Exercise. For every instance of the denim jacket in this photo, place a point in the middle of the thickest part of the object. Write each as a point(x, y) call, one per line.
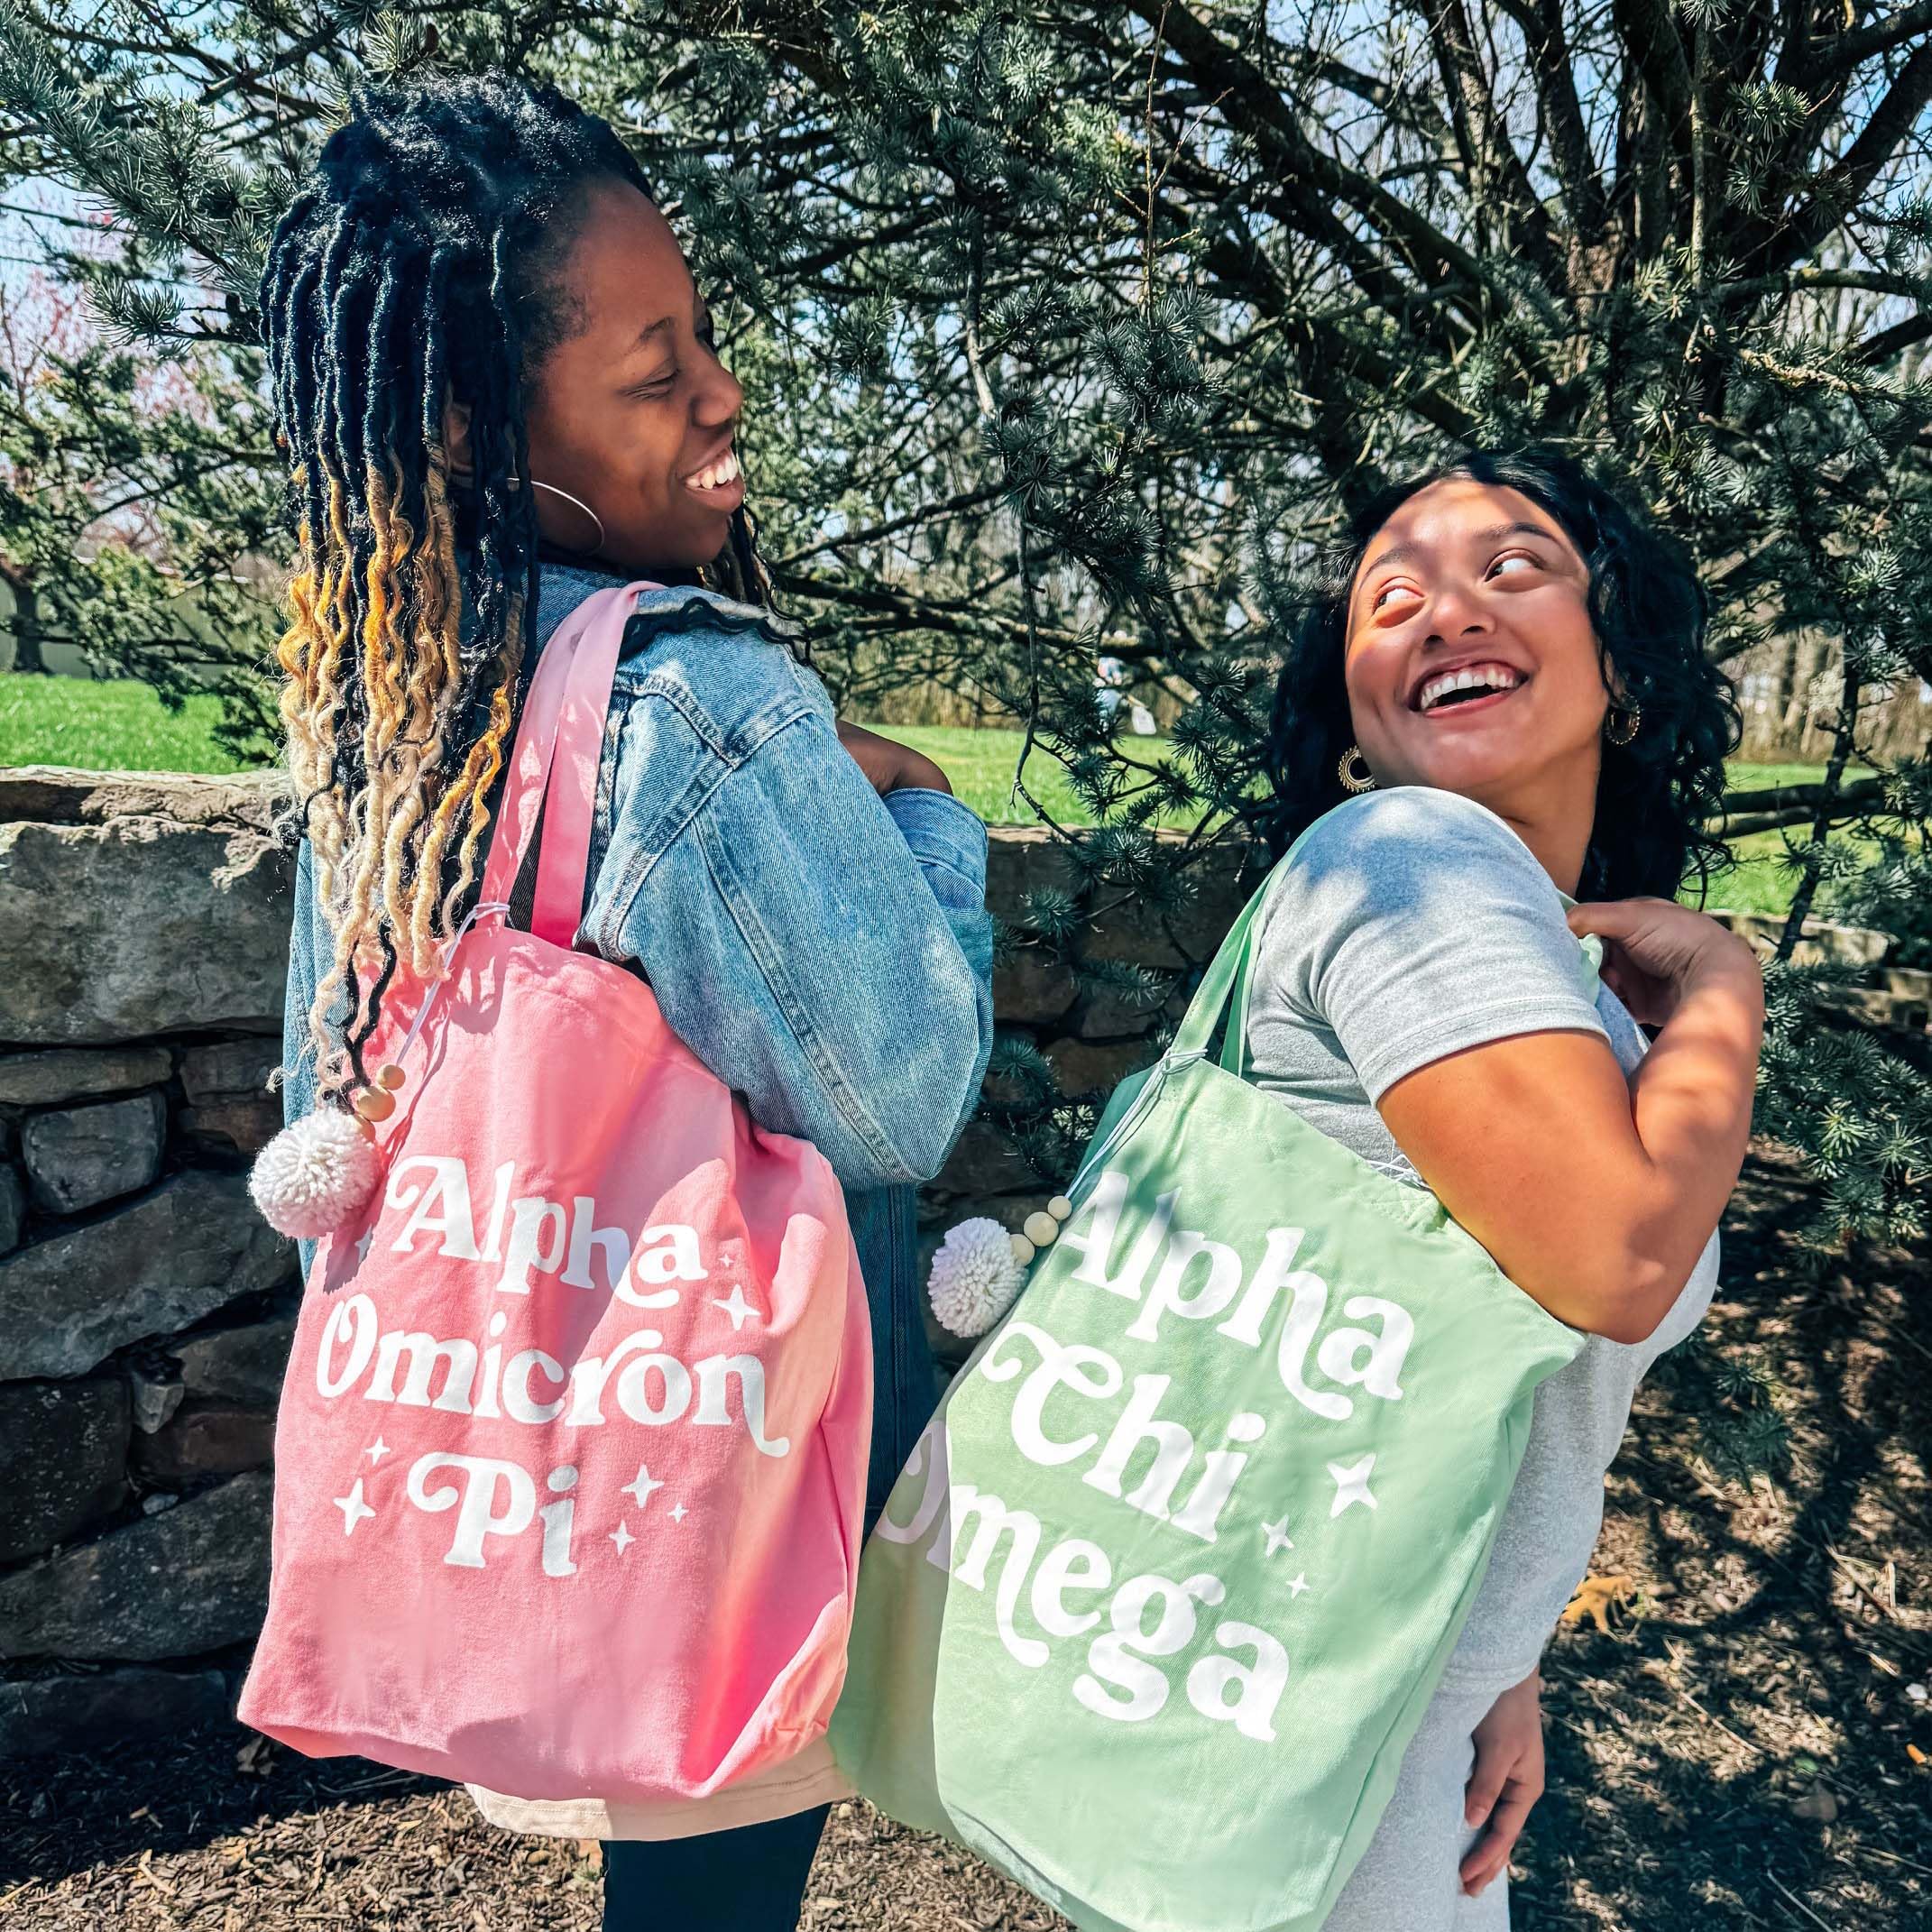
point(824, 951)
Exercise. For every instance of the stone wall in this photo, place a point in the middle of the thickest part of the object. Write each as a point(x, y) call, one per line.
point(145, 1312)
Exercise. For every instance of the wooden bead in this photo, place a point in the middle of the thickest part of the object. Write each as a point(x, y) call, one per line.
point(1023, 1249)
point(390, 1076)
point(1040, 1229)
point(1060, 1208)
point(375, 1105)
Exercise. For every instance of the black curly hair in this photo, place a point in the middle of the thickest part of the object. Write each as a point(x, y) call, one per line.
point(1648, 610)
point(420, 261)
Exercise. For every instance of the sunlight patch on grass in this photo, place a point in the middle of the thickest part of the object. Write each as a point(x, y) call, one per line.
point(108, 725)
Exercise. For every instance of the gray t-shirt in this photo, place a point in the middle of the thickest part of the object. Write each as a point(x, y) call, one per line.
point(1410, 925)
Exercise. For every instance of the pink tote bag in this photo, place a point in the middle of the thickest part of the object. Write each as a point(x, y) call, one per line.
point(570, 1460)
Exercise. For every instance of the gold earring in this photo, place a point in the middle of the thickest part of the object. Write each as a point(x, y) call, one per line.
point(1621, 727)
point(1351, 780)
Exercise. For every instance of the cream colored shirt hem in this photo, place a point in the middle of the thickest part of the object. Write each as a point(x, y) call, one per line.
point(798, 1785)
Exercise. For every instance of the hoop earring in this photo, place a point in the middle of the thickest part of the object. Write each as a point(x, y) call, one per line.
point(1351, 780)
point(1621, 727)
point(578, 502)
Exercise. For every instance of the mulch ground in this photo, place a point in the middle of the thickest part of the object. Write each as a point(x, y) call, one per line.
point(1735, 1750)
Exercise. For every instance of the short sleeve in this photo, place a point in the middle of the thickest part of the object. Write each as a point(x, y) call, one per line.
point(1414, 923)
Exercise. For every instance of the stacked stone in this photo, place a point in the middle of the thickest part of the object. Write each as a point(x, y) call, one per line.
point(145, 1311)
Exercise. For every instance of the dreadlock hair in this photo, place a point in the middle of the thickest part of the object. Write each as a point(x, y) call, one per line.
point(1647, 612)
point(418, 262)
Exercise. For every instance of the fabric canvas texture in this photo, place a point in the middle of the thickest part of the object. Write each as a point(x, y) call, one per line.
point(858, 1018)
point(1166, 1588)
point(571, 1456)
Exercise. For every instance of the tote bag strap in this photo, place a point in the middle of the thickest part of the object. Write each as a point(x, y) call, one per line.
point(1230, 975)
point(554, 767)
point(528, 773)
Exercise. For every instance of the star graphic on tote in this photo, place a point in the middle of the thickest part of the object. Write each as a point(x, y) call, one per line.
point(1277, 1536)
point(353, 1509)
point(623, 1537)
point(1296, 1585)
point(737, 1308)
point(679, 1514)
point(377, 1450)
point(1352, 1484)
point(642, 1485)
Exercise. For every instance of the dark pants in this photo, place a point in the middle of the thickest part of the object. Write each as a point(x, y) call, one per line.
point(749, 1879)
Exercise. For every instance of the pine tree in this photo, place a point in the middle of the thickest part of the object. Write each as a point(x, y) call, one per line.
point(135, 518)
point(1073, 330)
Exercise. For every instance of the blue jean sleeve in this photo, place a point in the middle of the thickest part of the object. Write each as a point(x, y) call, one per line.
point(826, 953)
point(949, 842)
point(297, 1062)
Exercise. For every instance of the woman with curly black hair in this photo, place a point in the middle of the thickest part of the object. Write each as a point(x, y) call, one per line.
point(1498, 706)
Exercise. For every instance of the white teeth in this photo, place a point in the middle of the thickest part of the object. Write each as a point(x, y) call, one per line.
point(718, 474)
point(1475, 676)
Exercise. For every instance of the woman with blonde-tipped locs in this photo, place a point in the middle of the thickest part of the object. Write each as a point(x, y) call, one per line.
point(498, 390)
point(400, 707)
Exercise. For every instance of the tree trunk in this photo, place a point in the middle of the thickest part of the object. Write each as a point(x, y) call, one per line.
point(27, 658)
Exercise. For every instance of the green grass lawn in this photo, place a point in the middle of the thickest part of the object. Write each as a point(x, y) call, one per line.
point(105, 726)
point(122, 726)
point(980, 766)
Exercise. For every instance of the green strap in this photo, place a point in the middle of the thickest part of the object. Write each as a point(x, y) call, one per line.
point(1234, 1043)
point(1231, 972)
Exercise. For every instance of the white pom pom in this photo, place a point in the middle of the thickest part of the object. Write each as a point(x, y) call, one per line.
point(974, 1276)
point(316, 1177)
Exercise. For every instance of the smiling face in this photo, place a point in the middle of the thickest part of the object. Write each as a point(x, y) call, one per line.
point(631, 410)
point(1471, 664)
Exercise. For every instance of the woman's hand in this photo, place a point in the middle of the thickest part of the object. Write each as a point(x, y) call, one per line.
point(889, 766)
point(1505, 1780)
point(1655, 951)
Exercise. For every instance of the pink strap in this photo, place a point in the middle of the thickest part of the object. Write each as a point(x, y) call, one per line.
point(560, 739)
point(563, 865)
point(528, 772)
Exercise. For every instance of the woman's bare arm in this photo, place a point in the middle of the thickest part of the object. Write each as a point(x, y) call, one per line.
point(1596, 1194)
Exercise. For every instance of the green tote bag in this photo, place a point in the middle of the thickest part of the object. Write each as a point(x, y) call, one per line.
point(1159, 1599)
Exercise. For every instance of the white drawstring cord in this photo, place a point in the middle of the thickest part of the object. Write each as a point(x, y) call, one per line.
point(449, 952)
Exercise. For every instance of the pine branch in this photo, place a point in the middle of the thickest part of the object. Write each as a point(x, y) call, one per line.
point(1844, 52)
point(1839, 189)
point(1308, 178)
